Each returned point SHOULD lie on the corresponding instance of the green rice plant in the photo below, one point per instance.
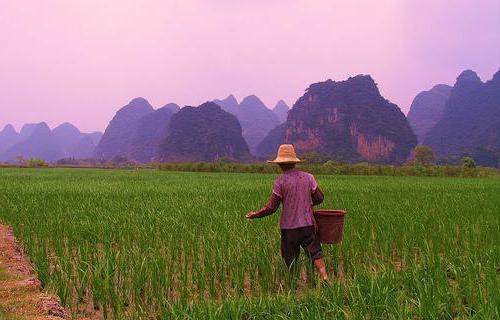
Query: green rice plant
(137, 244)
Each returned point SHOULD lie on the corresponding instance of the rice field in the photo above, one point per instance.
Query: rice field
(154, 244)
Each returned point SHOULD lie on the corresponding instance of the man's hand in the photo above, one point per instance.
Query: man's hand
(251, 215)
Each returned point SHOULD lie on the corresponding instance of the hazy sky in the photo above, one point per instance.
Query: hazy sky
(81, 60)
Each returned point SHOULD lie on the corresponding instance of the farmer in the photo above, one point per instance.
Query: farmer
(298, 191)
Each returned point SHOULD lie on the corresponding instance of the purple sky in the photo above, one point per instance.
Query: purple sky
(79, 61)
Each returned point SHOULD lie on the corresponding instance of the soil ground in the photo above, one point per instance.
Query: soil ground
(21, 293)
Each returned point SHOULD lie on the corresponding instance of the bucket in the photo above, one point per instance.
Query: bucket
(330, 225)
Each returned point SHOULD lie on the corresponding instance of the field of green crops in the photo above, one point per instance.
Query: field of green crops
(135, 244)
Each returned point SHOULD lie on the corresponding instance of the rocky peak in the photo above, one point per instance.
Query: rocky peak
(229, 103)
(172, 107)
(66, 128)
(67, 136)
(347, 119)
(8, 137)
(119, 134)
(281, 105)
(252, 101)
(470, 121)
(41, 142)
(360, 87)
(427, 108)
(204, 133)
(442, 89)
(364, 84)
(151, 130)
(138, 105)
(467, 82)
(41, 129)
(139, 101)
(9, 129)
(465, 87)
(209, 107)
(281, 110)
(26, 130)
(469, 76)
(256, 120)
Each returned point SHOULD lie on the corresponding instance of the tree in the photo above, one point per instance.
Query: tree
(468, 162)
(424, 155)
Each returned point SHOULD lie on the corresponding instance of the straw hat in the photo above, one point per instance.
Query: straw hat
(286, 154)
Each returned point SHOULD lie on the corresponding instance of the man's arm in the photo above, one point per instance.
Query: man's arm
(317, 196)
(269, 208)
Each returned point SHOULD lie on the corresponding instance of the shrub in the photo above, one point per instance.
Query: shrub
(468, 162)
(334, 168)
(68, 161)
(36, 163)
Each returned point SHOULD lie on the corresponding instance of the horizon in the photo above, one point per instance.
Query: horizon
(81, 62)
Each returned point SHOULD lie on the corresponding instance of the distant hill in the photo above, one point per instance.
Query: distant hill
(121, 131)
(8, 137)
(135, 132)
(38, 141)
(347, 119)
(470, 124)
(172, 107)
(67, 137)
(73, 143)
(230, 104)
(151, 130)
(281, 110)
(27, 130)
(269, 145)
(427, 108)
(40, 145)
(204, 133)
(255, 118)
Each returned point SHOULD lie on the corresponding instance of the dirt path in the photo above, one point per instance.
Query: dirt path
(21, 294)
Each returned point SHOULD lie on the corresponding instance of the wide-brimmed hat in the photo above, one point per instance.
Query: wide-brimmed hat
(286, 154)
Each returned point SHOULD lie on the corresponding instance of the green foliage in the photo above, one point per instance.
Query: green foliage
(170, 245)
(468, 162)
(335, 168)
(68, 161)
(36, 163)
(314, 157)
(225, 159)
(424, 155)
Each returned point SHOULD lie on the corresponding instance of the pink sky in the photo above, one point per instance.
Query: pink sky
(79, 61)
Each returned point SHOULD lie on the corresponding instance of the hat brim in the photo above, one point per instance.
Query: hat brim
(278, 161)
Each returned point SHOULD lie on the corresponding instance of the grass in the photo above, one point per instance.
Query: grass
(3, 274)
(5, 316)
(175, 245)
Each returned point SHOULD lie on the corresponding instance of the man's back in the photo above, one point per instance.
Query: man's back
(295, 188)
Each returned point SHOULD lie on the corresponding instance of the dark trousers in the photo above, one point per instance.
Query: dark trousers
(293, 239)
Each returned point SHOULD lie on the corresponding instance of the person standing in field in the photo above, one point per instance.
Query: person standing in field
(298, 191)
